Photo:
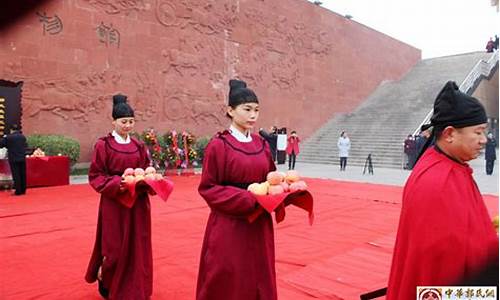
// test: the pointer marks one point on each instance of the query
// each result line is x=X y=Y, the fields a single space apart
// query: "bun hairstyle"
x=239 y=93
x=121 y=109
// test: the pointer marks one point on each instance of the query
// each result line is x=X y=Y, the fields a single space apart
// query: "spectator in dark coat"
x=15 y=142
x=272 y=139
x=490 y=153
x=410 y=151
x=420 y=142
x=490 y=46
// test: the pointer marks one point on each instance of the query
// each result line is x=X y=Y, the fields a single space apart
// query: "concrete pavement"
x=487 y=184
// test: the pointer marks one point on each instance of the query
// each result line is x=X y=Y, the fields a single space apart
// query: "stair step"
x=394 y=110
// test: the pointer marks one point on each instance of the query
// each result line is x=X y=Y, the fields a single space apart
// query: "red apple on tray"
x=258 y=188
x=275 y=177
x=278 y=191
x=275 y=189
x=131 y=175
x=298 y=186
x=139 y=181
x=277 y=183
x=128 y=171
x=292 y=176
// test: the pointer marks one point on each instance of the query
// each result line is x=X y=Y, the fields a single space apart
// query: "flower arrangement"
x=172 y=151
x=189 y=154
x=149 y=138
x=179 y=150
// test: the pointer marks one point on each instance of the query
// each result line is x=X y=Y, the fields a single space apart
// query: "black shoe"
x=102 y=290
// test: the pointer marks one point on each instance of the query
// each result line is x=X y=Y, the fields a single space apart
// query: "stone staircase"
x=394 y=110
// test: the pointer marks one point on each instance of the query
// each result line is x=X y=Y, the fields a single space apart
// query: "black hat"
x=455 y=108
x=239 y=93
x=121 y=109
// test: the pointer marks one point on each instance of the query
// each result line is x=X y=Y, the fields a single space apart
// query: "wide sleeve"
x=99 y=179
x=226 y=199
x=264 y=134
x=272 y=165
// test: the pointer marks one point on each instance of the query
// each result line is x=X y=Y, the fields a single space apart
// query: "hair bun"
x=237 y=84
x=119 y=98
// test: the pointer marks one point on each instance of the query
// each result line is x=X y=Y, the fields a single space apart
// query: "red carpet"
x=47 y=237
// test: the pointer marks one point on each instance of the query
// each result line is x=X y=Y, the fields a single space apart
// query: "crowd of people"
x=445 y=235
x=414 y=147
x=292 y=148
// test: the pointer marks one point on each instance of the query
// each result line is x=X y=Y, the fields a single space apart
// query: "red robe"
x=445 y=234
x=292 y=145
x=237 y=257
x=123 y=234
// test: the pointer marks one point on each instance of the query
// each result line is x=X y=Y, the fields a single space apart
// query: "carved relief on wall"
x=118 y=6
x=306 y=41
x=198 y=59
x=146 y=98
x=192 y=106
x=261 y=68
x=79 y=97
x=207 y=17
x=279 y=34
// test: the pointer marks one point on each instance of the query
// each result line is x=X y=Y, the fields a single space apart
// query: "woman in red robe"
x=122 y=257
x=237 y=257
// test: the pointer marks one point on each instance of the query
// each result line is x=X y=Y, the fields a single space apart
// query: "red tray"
x=277 y=203
x=162 y=188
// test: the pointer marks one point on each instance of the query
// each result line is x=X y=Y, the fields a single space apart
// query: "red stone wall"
x=174 y=59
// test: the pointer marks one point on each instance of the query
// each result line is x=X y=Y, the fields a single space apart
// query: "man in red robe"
x=445 y=234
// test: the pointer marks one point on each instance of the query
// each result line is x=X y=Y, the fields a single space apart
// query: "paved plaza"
x=487 y=184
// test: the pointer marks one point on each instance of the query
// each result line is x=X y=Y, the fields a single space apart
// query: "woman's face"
x=244 y=115
x=123 y=126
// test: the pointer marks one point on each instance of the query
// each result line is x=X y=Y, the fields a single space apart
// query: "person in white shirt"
x=344 y=145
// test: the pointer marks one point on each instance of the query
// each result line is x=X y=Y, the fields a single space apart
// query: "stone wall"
x=174 y=59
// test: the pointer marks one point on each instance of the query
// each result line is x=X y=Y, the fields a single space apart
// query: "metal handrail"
x=482 y=68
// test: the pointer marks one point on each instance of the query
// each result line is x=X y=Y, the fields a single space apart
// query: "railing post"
x=482 y=67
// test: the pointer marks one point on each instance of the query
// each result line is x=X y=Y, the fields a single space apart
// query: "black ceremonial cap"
x=239 y=93
x=121 y=109
x=455 y=108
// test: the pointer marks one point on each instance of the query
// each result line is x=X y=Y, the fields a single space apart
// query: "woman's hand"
x=123 y=186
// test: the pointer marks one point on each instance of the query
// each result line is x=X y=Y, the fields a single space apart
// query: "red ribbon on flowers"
x=175 y=147
x=186 y=147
